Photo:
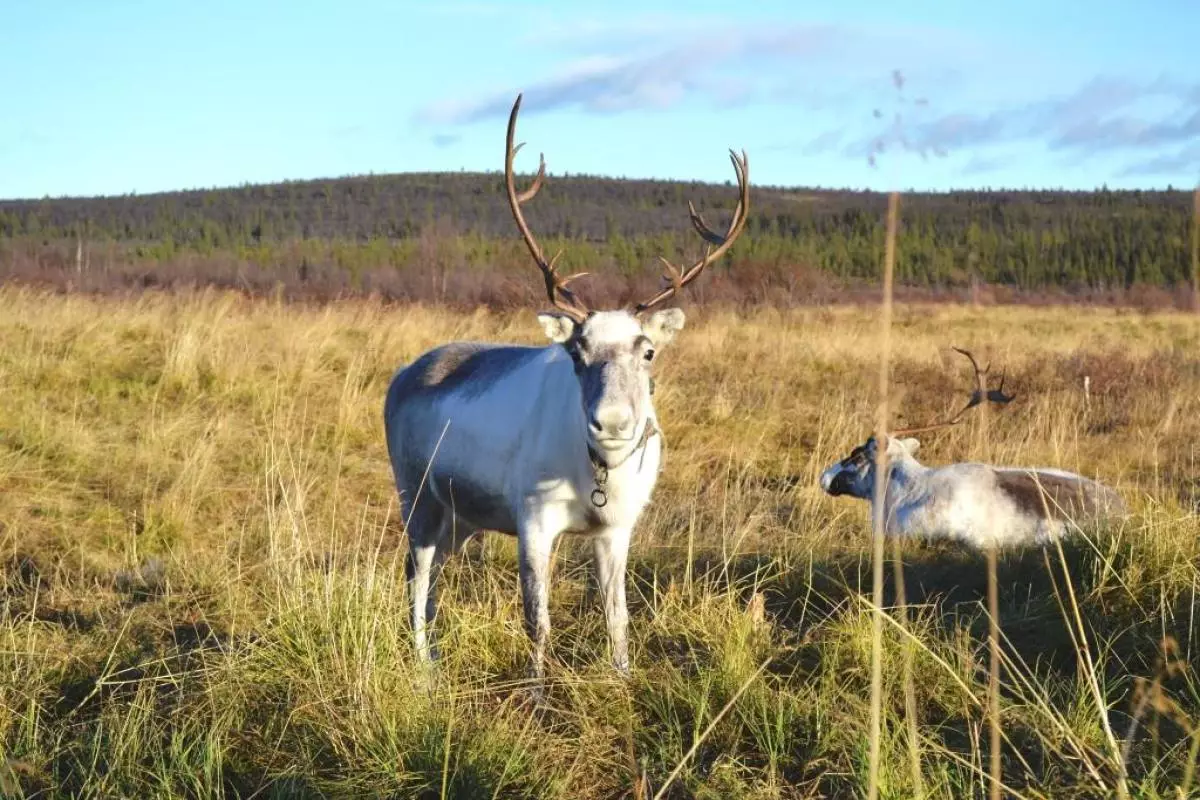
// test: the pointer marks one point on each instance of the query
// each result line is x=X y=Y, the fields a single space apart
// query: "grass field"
x=204 y=593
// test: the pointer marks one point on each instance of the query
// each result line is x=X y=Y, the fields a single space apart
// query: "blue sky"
x=120 y=96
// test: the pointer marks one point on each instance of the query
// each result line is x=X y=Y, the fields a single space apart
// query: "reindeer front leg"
x=612 y=554
x=535 y=542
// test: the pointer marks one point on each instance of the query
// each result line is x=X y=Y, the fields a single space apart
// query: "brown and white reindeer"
x=539 y=441
x=979 y=504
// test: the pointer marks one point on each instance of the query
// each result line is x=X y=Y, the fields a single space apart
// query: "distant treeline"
x=449 y=232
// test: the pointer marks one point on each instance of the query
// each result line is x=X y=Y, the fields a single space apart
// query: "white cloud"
x=657 y=62
x=720 y=64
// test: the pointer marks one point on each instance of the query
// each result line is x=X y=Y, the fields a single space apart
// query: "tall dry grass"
x=203 y=591
x=878 y=523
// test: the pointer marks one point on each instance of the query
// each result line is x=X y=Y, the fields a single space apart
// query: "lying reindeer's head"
x=854 y=475
x=613 y=351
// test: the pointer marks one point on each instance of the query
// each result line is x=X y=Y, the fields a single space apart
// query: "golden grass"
x=204 y=587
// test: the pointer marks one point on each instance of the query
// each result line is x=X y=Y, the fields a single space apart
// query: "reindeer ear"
x=558 y=327
x=661 y=326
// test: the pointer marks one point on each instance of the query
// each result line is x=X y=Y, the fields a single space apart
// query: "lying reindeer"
x=979 y=504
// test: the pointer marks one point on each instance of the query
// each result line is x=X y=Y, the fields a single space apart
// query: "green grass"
x=203 y=582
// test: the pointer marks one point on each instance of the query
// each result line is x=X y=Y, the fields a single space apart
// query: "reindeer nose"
x=615 y=422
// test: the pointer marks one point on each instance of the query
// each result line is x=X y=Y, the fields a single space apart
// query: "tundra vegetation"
x=204 y=593
x=447 y=238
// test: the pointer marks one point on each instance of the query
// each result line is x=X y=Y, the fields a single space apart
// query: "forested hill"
x=1026 y=239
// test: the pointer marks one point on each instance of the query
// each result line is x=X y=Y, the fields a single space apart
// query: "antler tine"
x=680 y=278
x=538 y=179
x=707 y=233
x=997 y=395
x=556 y=288
x=562 y=283
x=979 y=373
x=673 y=276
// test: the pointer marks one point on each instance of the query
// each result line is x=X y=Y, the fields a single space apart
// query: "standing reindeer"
x=978 y=504
x=539 y=441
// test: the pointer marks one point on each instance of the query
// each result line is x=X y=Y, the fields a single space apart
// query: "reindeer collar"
x=600 y=467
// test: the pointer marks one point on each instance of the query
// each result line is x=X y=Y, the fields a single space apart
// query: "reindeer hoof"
x=533 y=694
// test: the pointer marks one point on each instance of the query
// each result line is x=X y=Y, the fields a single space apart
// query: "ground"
x=204 y=594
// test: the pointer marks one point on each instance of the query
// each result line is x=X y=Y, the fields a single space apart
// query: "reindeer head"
x=855 y=474
x=612 y=351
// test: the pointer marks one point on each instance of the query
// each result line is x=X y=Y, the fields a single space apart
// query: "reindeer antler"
x=981 y=391
x=978 y=395
x=677 y=278
x=556 y=286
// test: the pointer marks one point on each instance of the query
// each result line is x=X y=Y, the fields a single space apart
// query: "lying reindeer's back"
x=1057 y=495
x=980 y=503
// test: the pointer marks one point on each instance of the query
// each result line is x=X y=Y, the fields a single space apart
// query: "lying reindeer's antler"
x=978 y=396
x=981 y=392
x=556 y=286
x=677 y=278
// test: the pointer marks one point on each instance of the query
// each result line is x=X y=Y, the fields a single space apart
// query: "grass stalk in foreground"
x=885 y=346
x=993 y=689
x=910 y=690
x=995 y=735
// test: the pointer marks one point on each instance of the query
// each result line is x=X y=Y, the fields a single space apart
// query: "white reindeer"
x=539 y=441
x=979 y=504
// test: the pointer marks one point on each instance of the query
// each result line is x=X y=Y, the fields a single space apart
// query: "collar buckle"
x=600 y=467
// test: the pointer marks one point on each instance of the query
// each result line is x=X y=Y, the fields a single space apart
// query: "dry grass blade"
x=910 y=689
x=994 y=672
x=1074 y=621
x=878 y=522
x=1150 y=695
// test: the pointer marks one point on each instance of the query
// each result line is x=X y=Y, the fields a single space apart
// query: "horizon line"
x=1103 y=187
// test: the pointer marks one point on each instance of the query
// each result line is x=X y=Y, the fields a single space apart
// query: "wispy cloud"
x=984 y=165
x=658 y=62
x=1103 y=116
x=1183 y=161
x=823 y=142
x=446 y=139
x=732 y=65
x=599 y=84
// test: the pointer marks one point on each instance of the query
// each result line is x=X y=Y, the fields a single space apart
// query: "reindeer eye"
x=649 y=354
